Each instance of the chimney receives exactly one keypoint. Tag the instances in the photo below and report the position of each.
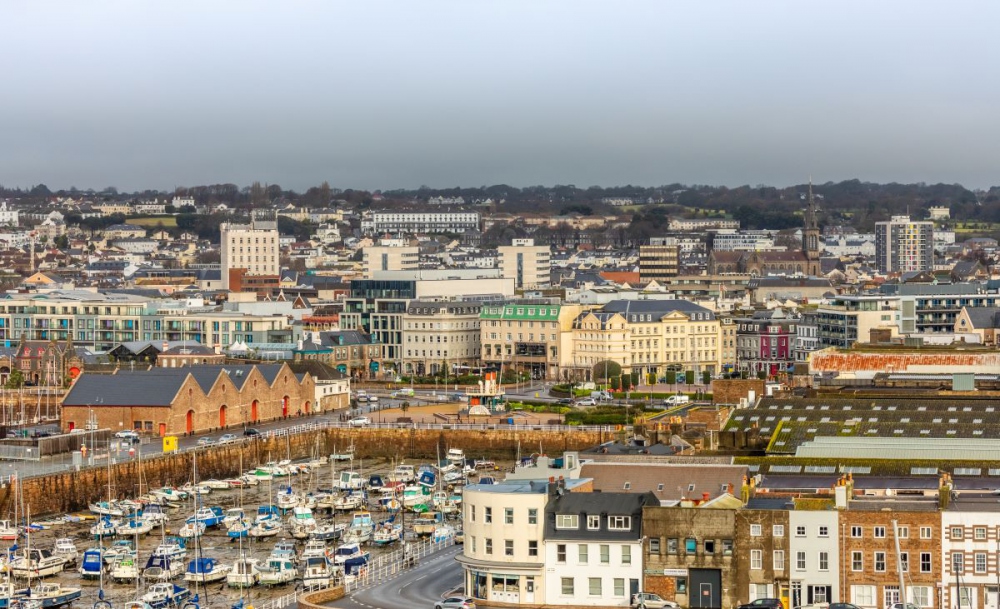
(840, 497)
(552, 487)
(218, 349)
(166, 346)
(705, 497)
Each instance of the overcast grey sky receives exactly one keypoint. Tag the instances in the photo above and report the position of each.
(398, 94)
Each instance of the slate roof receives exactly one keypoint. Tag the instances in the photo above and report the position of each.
(656, 307)
(668, 482)
(984, 317)
(316, 369)
(603, 504)
(351, 337)
(155, 387)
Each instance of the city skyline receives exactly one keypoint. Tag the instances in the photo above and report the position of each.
(444, 94)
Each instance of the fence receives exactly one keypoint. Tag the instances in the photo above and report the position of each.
(388, 566)
(476, 426)
(279, 603)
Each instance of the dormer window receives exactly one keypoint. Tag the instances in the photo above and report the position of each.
(619, 523)
(567, 521)
(593, 522)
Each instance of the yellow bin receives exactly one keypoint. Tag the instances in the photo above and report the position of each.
(169, 444)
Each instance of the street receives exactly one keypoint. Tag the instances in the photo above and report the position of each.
(416, 588)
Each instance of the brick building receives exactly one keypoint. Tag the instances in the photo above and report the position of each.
(167, 401)
(761, 564)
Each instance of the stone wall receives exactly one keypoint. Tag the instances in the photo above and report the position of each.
(74, 491)
(319, 599)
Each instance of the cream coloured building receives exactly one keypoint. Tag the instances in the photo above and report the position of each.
(390, 255)
(251, 246)
(530, 265)
(531, 335)
(441, 333)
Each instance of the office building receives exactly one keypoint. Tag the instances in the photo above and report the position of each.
(253, 247)
(903, 245)
(527, 263)
(658, 261)
(390, 255)
(393, 222)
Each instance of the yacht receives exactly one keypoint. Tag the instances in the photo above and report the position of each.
(36, 563)
(329, 532)
(192, 529)
(456, 457)
(232, 516)
(314, 548)
(348, 502)
(93, 566)
(105, 527)
(319, 573)
(208, 516)
(47, 595)
(302, 517)
(386, 533)
(346, 551)
(238, 529)
(163, 595)
(136, 525)
(277, 571)
(162, 568)
(125, 569)
(67, 550)
(244, 573)
(8, 531)
(268, 528)
(205, 570)
(216, 485)
(171, 547)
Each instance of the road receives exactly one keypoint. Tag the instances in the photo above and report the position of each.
(418, 588)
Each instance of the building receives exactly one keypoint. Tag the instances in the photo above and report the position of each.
(593, 546)
(8, 217)
(813, 555)
(502, 557)
(730, 240)
(765, 343)
(527, 263)
(970, 534)
(903, 245)
(846, 320)
(350, 352)
(983, 322)
(175, 401)
(441, 335)
(533, 335)
(658, 261)
(390, 255)
(399, 223)
(253, 247)
(758, 264)
(939, 213)
(702, 224)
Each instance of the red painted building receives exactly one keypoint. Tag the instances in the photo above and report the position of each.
(765, 342)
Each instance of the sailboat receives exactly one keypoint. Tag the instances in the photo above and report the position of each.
(202, 569)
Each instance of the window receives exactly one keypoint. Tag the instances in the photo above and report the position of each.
(654, 546)
(920, 595)
(690, 545)
(582, 553)
(626, 555)
(956, 532)
(594, 586)
(727, 547)
(533, 516)
(880, 562)
(925, 532)
(756, 559)
(561, 553)
(904, 562)
(857, 532)
(533, 548)
(957, 562)
(567, 521)
(824, 561)
(863, 595)
(824, 531)
(778, 530)
(903, 532)
(979, 533)
(755, 530)
(488, 517)
(619, 586)
(508, 547)
(681, 585)
(925, 562)
(567, 586)
(879, 532)
(857, 561)
(980, 562)
(508, 515)
(671, 546)
(800, 561)
(619, 523)
(605, 554)
(593, 522)
(800, 531)
(489, 545)
(709, 546)
(964, 596)
(779, 560)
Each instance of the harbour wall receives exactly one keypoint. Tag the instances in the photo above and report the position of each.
(73, 491)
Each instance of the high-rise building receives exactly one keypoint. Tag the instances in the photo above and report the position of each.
(903, 245)
(390, 255)
(530, 265)
(253, 247)
(658, 261)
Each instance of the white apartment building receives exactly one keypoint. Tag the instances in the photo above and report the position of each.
(593, 547)
(251, 246)
(814, 556)
(970, 549)
(702, 224)
(8, 217)
(503, 555)
(730, 240)
(381, 222)
(390, 255)
(530, 265)
(441, 333)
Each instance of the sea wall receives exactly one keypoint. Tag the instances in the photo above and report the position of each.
(74, 491)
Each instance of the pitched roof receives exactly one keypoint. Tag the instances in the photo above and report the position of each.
(669, 482)
(601, 504)
(656, 307)
(984, 317)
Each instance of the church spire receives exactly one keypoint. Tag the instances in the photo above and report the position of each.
(810, 215)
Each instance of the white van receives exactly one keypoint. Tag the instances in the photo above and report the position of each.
(676, 400)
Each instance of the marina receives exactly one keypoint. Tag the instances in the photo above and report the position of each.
(280, 527)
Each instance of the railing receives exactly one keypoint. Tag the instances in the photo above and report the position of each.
(279, 603)
(388, 566)
(475, 426)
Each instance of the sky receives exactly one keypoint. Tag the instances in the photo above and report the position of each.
(382, 95)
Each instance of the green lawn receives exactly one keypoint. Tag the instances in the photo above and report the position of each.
(166, 221)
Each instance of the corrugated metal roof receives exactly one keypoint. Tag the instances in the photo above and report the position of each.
(900, 448)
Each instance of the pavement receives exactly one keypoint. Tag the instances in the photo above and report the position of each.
(434, 577)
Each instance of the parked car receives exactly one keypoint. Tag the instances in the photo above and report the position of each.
(250, 431)
(459, 536)
(227, 438)
(373, 398)
(845, 606)
(361, 395)
(900, 606)
(129, 436)
(764, 603)
(456, 602)
(586, 402)
(206, 441)
(567, 401)
(648, 600)
(601, 395)
(359, 422)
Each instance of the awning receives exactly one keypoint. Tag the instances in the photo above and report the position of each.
(528, 568)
